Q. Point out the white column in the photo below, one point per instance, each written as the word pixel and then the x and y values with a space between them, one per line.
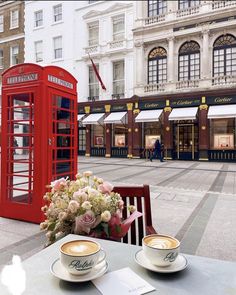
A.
pixel 205 65
pixel 139 64
pixel 170 60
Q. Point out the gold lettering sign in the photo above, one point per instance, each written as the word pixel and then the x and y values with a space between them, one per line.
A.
pixel 151 105
pixel 223 99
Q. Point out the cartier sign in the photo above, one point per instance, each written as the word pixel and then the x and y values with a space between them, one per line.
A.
pixel 185 102
pixel 221 100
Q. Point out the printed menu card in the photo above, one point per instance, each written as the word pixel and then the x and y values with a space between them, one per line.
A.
pixel 123 281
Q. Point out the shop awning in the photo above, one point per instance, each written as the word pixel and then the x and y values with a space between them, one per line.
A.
pixel 183 114
pixel 148 116
pixel 115 118
pixel 93 119
pixel 223 111
pixel 80 117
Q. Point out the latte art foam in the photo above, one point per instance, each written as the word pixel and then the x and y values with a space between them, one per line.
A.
pixel 80 248
pixel 161 242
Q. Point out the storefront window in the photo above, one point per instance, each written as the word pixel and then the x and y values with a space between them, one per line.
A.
pixel 222 133
pixel 120 136
pixel 152 131
pixel 98 136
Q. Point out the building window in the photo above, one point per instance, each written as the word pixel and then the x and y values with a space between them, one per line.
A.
pixel 118 27
pixel 222 133
pixel 157 7
pixel 118 78
pixel 189 61
pixel 157 66
pixel 14 55
pixel 57 13
pixel 14 19
pixel 1 23
pixel 93 33
pixel 57 44
pixel 93 84
pixel 224 56
pixel 98 136
pixel 38 51
pixel 38 18
pixel 1 59
pixel 184 4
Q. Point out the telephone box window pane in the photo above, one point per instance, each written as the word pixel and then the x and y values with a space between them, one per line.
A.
pixel 63 128
pixel 63 167
pixel 63 141
pixel 63 154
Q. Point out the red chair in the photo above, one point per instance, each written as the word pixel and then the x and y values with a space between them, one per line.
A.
pixel 138 196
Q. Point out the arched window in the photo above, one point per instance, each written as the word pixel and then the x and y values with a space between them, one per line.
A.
pixel 157 68
pixel 224 56
pixel 184 4
pixel 157 7
pixel 189 61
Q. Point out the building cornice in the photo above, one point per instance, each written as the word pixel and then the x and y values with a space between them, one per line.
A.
pixel 12 38
pixel 111 9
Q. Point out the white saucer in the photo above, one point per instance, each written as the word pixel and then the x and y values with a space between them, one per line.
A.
pixel 179 264
pixel 58 270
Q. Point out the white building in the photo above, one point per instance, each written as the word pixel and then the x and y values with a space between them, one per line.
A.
pixel 63 33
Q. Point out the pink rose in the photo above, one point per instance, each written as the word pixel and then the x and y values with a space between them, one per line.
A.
pixel 85 222
pixel 105 188
pixel 57 184
pixel 121 204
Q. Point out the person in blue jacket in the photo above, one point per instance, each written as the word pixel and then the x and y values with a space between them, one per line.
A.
pixel 157 151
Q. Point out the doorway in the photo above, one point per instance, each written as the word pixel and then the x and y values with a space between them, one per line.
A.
pixel 186 141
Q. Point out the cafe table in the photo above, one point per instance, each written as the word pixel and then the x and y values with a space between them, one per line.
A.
pixel 202 276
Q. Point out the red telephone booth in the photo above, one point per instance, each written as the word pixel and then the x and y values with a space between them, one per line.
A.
pixel 39 136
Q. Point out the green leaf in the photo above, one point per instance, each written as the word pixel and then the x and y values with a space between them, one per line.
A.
pixel 106 229
pixel 118 228
pixel 51 226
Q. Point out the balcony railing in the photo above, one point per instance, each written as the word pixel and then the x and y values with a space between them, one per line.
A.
pixel 155 87
pixel 224 80
pixel 118 95
pixel 155 19
pixel 221 4
pixel 187 84
pixel 188 11
pixel 93 98
pixel 92 49
pixel 116 44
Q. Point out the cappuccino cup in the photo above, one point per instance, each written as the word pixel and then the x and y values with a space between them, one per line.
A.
pixel 79 257
pixel 160 250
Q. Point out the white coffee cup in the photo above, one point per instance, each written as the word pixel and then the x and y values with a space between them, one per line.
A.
pixel 161 250
pixel 81 256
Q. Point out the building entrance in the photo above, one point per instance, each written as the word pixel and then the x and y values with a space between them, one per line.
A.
pixel 186 141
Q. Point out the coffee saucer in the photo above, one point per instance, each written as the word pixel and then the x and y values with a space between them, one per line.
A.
pixel 179 264
pixel 59 271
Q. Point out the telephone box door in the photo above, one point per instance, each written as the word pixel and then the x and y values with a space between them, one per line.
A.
pixel 62 136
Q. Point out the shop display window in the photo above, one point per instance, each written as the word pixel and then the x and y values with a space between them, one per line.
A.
pixel 98 136
pixel 150 141
pixel 222 133
pixel 151 132
pixel 120 136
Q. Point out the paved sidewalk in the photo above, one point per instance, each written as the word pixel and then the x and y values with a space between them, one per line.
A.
pixel 194 201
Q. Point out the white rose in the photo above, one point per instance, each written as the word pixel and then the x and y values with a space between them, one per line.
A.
pixel 86 205
pixel 131 208
pixel 73 206
pixel 87 173
pixel 93 193
pixel 106 216
pixel 62 216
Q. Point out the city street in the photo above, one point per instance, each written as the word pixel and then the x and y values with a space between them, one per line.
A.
pixel 193 201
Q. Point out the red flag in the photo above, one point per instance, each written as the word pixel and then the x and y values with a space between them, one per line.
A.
pixel 97 74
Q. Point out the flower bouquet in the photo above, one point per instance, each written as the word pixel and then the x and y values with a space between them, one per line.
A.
pixel 85 206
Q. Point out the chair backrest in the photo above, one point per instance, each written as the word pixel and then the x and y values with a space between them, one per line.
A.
pixel 139 196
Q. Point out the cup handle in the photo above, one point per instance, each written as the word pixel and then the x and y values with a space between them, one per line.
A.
pixel 102 256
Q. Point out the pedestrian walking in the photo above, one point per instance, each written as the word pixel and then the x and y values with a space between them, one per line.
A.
pixel 157 151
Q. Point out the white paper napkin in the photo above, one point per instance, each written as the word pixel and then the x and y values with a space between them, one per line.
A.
pixel 123 281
